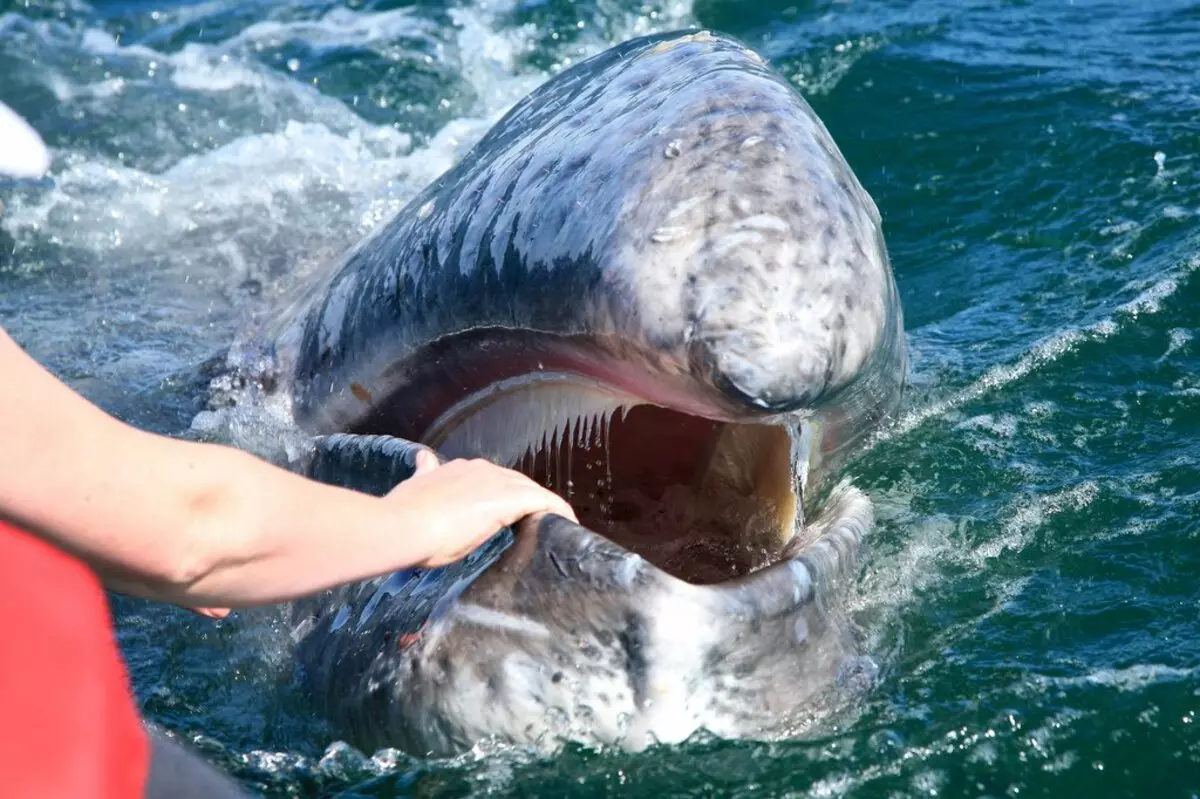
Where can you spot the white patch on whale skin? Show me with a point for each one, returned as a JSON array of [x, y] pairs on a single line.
[[680, 630], [669, 44], [668, 233], [804, 582], [763, 222], [498, 620], [685, 206], [686, 691]]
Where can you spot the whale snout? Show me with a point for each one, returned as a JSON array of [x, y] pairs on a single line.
[[781, 352], [749, 241], [782, 321]]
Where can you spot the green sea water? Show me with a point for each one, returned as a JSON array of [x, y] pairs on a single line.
[[1030, 595]]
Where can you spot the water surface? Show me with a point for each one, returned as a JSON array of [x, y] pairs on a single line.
[[1030, 594]]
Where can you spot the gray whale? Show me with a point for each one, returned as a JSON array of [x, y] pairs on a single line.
[[656, 286]]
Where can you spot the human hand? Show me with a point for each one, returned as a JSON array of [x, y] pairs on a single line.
[[462, 503]]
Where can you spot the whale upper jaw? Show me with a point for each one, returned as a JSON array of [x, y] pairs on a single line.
[[672, 197], [554, 633]]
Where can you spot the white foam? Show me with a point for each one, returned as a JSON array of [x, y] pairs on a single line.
[[1030, 515], [1124, 680], [339, 761], [23, 154], [1148, 301], [322, 167], [338, 28], [932, 544], [822, 74], [197, 68], [260, 181]]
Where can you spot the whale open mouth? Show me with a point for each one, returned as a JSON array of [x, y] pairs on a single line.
[[703, 499]]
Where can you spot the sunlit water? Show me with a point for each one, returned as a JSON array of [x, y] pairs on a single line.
[[1031, 594]]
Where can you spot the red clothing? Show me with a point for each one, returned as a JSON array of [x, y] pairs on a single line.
[[68, 723]]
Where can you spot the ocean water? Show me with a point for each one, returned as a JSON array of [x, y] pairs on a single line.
[[1031, 592]]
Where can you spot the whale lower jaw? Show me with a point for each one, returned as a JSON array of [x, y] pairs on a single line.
[[554, 633], [629, 656]]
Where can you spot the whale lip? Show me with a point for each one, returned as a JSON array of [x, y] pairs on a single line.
[[764, 402], [813, 566]]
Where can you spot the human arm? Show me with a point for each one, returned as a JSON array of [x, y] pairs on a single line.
[[208, 525]]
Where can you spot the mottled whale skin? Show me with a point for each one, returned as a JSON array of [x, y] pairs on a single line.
[[669, 218], [671, 206]]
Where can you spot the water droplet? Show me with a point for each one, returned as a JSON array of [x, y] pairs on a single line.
[[607, 456], [673, 148]]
